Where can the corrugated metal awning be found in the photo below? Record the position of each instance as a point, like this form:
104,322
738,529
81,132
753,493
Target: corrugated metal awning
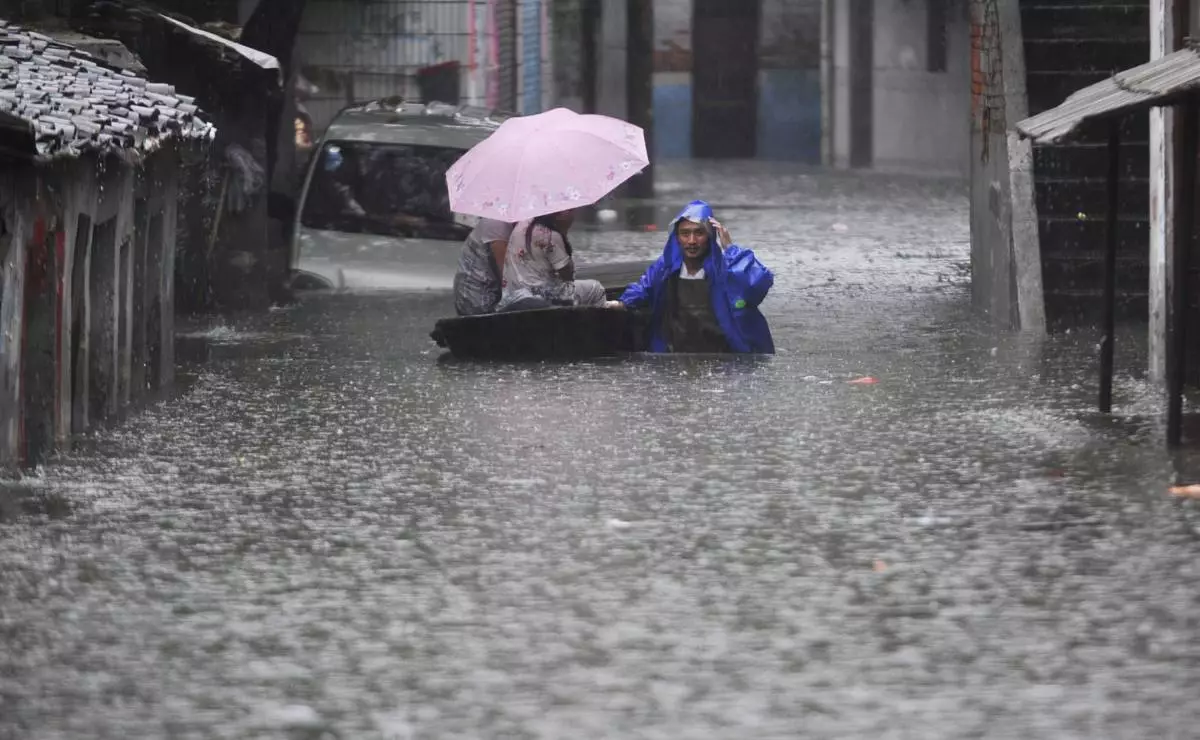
1158,82
262,59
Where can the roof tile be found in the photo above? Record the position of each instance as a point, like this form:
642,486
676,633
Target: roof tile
75,103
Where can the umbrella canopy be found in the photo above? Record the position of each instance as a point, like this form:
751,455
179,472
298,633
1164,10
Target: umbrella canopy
545,163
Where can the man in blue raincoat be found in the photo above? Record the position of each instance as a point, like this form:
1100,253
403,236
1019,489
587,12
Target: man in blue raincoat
704,291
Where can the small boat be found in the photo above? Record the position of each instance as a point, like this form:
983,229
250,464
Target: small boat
562,333
570,332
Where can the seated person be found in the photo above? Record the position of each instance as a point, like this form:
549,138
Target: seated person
539,268
702,298
477,282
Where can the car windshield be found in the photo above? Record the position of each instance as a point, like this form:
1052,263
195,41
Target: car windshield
384,189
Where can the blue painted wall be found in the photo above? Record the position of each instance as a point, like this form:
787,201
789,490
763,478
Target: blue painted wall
789,115
531,58
672,120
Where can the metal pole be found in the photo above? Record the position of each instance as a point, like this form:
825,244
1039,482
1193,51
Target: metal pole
1110,265
1183,248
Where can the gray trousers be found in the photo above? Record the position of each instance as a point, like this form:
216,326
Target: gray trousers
589,293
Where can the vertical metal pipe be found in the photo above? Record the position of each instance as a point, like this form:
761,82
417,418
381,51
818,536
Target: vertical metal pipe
1182,248
1110,265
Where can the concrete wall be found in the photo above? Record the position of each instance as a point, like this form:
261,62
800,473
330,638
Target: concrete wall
610,97
12,298
566,53
357,51
789,85
920,118
1006,268
111,321
673,79
839,98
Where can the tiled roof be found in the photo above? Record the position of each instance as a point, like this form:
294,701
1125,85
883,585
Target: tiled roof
72,103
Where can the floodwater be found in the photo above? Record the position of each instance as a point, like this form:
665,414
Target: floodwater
331,534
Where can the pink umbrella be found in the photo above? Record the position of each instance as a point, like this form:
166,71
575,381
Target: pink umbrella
540,164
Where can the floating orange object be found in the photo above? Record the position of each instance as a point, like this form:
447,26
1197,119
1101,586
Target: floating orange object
880,566
1191,491
863,381
650,227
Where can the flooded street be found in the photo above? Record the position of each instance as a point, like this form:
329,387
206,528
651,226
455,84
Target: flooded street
331,533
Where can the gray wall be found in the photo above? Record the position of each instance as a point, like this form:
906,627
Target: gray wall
1006,265
921,119
113,361
610,99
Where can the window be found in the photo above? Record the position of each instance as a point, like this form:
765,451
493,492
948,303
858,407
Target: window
383,189
936,41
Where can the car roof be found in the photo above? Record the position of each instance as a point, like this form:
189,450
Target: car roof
395,121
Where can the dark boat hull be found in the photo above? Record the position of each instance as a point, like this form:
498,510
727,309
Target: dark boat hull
550,333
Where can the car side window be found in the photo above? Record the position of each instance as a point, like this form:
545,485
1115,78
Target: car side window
383,189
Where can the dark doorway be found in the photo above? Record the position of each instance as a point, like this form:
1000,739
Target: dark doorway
102,285
79,328
123,292
725,78
39,379
154,297
141,218
862,83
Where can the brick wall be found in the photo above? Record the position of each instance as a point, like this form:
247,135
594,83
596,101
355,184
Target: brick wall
1069,46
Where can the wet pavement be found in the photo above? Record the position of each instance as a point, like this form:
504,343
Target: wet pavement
331,533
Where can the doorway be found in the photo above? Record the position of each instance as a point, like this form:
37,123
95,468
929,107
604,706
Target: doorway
79,344
102,325
725,78
39,379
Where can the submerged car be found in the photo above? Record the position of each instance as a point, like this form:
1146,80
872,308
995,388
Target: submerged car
374,212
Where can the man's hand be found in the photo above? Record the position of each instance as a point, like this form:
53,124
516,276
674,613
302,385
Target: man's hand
615,305
723,237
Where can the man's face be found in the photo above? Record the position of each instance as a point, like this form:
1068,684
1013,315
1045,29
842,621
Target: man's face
693,239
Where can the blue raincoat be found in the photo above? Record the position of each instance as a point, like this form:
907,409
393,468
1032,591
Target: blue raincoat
738,283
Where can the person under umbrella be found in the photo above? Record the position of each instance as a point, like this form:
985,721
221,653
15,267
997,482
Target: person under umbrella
477,282
539,267
535,171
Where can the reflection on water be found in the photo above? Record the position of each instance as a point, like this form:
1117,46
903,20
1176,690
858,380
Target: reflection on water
333,532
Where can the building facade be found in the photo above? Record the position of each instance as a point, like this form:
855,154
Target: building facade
898,84
1038,211
89,189
493,53
730,79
